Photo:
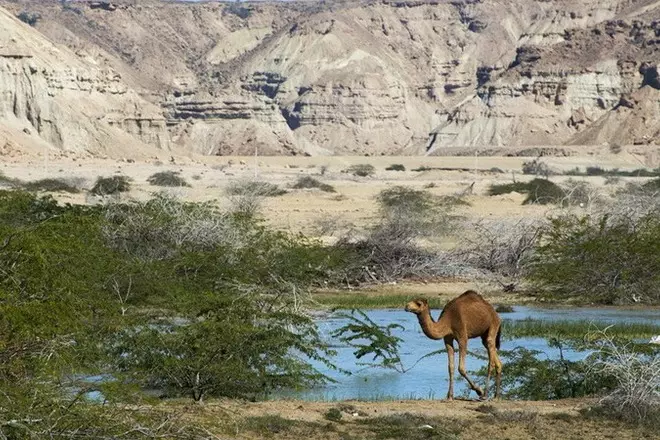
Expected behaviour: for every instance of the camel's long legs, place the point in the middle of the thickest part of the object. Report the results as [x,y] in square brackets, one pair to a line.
[491,364]
[498,373]
[449,345]
[462,352]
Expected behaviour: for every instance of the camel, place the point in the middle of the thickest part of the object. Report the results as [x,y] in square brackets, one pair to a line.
[466,316]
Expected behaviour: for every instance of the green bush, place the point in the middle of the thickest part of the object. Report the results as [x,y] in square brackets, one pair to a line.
[51,185]
[506,188]
[361,170]
[148,291]
[541,191]
[305,182]
[105,186]
[396,167]
[29,18]
[167,178]
[603,260]
[536,167]
[333,414]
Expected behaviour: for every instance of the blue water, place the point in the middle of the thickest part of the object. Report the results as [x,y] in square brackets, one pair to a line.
[429,378]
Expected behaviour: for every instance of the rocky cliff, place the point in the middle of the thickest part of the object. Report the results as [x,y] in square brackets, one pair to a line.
[366,77]
[53,98]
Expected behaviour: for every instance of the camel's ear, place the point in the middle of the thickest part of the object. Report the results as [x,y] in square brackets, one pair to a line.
[422,301]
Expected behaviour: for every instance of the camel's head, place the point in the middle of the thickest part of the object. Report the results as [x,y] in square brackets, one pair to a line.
[417,306]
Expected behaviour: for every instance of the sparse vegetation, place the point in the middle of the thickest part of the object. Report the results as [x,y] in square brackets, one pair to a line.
[413,427]
[396,167]
[51,185]
[253,188]
[536,167]
[333,414]
[390,249]
[603,259]
[361,170]
[539,191]
[306,182]
[29,18]
[167,178]
[105,186]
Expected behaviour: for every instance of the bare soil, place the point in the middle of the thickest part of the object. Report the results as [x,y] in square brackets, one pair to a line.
[560,420]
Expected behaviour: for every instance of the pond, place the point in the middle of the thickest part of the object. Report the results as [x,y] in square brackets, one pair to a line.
[429,378]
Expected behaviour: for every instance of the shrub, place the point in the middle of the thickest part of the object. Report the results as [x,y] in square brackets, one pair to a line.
[310,182]
[52,185]
[105,186]
[253,188]
[238,10]
[532,376]
[635,396]
[29,18]
[167,178]
[361,170]
[500,248]
[506,188]
[652,186]
[333,414]
[541,191]
[580,193]
[612,180]
[602,259]
[537,168]
[390,249]
[396,167]
[595,171]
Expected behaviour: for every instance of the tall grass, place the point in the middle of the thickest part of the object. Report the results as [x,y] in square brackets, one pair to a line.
[575,329]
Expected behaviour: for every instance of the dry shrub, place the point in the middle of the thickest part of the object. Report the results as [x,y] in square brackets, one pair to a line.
[636,396]
[153,230]
[500,248]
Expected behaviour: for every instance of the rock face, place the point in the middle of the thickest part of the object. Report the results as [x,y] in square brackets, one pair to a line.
[58,100]
[385,77]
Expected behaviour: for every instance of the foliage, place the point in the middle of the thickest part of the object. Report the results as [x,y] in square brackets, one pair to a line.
[159,293]
[29,18]
[502,249]
[529,377]
[368,338]
[253,188]
[635,396]
[390,249]
[51,185]
[537,168]
[167,178]
[333,414]
[238,10]
[106,186]
[604,260]
[231,348]
[413,427]
[541,191]
[506,188]
[361,170]
[396,167]
[310,182]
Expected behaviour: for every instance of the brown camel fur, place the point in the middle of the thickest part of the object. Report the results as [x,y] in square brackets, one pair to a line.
[467,316]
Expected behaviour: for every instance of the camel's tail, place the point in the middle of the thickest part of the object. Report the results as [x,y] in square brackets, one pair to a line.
[497,338]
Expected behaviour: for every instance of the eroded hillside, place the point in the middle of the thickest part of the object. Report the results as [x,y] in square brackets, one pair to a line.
[378,77]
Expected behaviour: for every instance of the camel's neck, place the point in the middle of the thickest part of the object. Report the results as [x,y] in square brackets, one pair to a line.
[431,328]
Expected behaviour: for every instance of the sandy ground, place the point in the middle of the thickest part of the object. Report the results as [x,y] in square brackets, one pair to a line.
[310,211]
[560,420]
